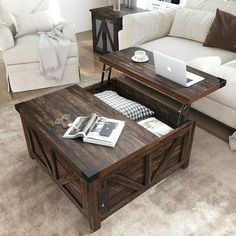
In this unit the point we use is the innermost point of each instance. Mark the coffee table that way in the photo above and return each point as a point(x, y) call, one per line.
point(99, 180)
point(145, 73)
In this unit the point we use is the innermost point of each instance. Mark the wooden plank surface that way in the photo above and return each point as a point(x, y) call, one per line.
point(40, 113)
point(109, 14)
point(145, 73)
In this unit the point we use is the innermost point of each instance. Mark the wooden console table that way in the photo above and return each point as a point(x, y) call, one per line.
point(106, 24)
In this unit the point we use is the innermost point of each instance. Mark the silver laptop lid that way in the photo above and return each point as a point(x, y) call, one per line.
point(170, 68)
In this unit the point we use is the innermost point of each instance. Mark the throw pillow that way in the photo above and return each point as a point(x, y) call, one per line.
point(192, 24)
point(222, 32)
point(32, 23)
point(130, 109)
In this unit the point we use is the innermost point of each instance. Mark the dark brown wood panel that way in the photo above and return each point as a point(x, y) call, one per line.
point(145, 73)
point(106, 25)
point(43, 111)
point(97, 179)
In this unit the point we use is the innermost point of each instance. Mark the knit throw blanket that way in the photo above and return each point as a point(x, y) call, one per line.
point(53, 52)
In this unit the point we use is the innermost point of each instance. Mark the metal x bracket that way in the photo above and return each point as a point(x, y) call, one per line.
point(106, 74)
point(183, 114)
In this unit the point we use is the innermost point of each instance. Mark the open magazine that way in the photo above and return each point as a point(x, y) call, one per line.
point(155, 126)
point(96, 130)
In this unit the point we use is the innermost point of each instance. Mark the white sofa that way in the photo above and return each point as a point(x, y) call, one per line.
point(21, 55)
point(150, 31)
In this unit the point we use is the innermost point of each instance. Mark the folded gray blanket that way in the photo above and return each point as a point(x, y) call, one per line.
point(53, 52)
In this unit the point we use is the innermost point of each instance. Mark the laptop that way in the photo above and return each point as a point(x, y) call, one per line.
point(175, 70)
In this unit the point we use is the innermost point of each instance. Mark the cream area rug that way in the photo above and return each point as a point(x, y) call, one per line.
point(200, 200)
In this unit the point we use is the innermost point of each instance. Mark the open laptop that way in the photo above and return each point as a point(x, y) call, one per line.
point(175, 70)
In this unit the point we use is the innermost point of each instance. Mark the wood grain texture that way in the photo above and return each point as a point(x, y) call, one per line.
point(99, 180)
point(109, 14)
point(145, 73)
point(93, 159)
point(106, 25)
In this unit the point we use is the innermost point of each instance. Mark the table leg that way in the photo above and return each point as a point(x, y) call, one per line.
point(93, 205)
point(106, 71)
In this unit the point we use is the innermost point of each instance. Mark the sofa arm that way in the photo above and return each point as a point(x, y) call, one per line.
point(146, 26)
point(6, 37)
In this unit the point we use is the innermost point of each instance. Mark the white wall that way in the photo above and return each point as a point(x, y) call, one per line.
point(77, 11)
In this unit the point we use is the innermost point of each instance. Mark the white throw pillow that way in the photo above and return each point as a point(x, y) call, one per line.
point(32, 23)
point(192, 24)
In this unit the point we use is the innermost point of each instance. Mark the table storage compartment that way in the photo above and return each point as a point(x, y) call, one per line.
point(168, 154)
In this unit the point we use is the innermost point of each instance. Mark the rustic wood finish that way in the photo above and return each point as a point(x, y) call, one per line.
point(106, 25)
point(100, 180)
point(145, 73)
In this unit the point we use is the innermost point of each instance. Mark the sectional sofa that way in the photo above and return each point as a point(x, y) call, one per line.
point(154, 31)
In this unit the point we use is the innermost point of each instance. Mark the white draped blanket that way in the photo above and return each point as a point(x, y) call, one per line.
point(53, 52)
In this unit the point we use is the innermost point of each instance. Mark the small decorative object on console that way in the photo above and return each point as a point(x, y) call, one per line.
point(232, 141)
point(116, 5)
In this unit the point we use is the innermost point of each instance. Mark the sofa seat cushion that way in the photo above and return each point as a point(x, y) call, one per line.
point(217, 111)
point(226, 95)
point(26, 51)
point(191, 52)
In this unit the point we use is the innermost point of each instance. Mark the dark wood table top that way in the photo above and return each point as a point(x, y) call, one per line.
point(108, 13)
point(89, 159)
point(145, 73)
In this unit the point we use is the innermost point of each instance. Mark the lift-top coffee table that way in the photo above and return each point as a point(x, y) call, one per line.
point(100, 180)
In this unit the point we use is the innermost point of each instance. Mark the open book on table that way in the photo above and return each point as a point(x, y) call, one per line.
point(96, 130)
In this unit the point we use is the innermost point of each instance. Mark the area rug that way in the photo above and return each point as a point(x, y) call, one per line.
point(200, 200)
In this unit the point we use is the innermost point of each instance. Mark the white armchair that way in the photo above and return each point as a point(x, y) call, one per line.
point(21, 55)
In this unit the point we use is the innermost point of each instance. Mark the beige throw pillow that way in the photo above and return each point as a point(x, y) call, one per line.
point(192, 24)
point(32, 23)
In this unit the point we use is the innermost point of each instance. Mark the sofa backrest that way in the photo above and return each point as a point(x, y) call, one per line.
point(212, 5)
point(25, 6)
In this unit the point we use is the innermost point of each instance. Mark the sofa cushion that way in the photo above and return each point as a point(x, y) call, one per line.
point(193, 53)
point(196, 24)
point(212, 5)
point(26, 51)
point(226, 95)
point(223, 32)
point(217, 111)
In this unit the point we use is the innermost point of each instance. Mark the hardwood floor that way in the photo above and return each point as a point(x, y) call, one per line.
point(91, 68)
